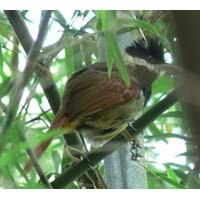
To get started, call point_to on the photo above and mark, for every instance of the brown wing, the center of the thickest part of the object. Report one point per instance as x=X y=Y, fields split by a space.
x=88 y=92
x=91 y=91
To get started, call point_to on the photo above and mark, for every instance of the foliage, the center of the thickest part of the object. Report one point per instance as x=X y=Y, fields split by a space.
x=79 y=50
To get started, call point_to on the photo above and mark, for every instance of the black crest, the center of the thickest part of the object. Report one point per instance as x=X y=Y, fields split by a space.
x=151 y=51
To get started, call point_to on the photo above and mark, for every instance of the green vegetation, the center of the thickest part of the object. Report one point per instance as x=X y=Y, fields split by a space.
x=24 y=125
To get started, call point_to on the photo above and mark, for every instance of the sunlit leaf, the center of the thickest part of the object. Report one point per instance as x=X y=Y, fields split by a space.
x=163 y=85
x=171 y=174
x=4 y=28
x=147 y=26
x=172 y=182
x=113 y=53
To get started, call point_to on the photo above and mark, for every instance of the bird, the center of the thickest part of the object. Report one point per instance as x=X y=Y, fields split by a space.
x=99 y=106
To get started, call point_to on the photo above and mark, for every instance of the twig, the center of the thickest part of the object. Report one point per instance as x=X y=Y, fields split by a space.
x=82 y=29
x=28 y=99
x=26 y=75
x=14 y=61
x=38 y=117
x=77 y=170
x=20 y=29
x=26 y=41
x=35 y=163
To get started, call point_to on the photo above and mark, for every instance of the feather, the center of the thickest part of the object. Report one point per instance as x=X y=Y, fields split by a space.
x=102 y=94
x=152 y=51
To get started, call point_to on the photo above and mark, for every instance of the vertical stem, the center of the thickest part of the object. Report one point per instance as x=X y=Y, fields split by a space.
x=120 y=170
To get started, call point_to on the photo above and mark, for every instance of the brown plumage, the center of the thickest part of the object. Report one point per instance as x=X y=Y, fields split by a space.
x=98 y=106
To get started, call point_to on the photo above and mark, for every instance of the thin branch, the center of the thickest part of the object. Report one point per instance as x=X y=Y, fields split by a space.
x=20 y=29
x=77 y=170
x=35 y=163
x=44 y=75
x=28 y=99
x=14 y=61
x=38 y=117
x=23 y=81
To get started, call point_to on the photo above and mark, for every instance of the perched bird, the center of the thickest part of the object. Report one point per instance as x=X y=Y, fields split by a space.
x=98 y=106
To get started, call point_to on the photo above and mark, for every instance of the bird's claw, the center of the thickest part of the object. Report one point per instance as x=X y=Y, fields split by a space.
x=135 y=144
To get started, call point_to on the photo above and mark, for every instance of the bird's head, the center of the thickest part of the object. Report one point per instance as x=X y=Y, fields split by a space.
x=145 y=55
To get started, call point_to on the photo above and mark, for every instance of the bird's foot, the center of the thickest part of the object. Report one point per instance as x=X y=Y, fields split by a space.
x=135 y=146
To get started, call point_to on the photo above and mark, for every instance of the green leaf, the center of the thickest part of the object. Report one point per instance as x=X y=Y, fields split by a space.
x=157 y=178
x=113 y=52
x=4 y=28
x=21 y=171
x=154 y=129
x=163 y=85
x=1 y=59
x=146 y=25
x=78 y=57
x=85 y=13
x=69 y=61
x=156 y=133
x=172 y=182
x=6 y=179
x=109 y=54
x=189 y=153
x=178 y=166
x=60 y=18
x=32 y=185
x=171 y=174
x=99 y=24
x=118 y=59
x=56 y=160
x=77 y=13
x=109 y=20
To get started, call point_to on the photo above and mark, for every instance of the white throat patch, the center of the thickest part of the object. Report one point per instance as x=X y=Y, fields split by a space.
x=129 y=60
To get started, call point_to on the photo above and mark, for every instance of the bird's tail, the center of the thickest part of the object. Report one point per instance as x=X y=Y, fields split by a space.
x=39 y=150
x=61 y=122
